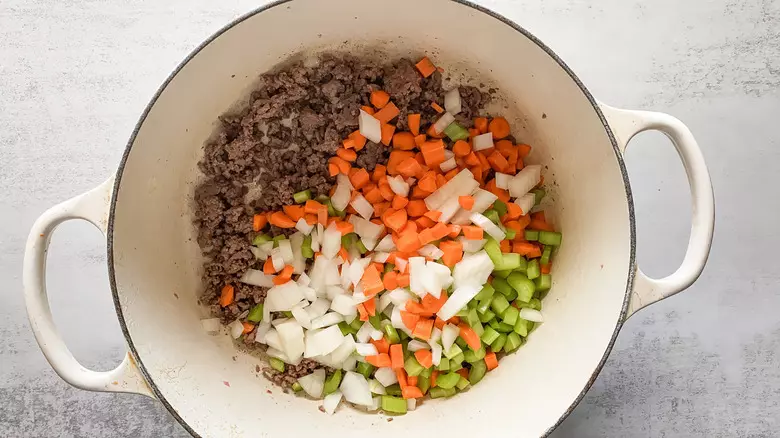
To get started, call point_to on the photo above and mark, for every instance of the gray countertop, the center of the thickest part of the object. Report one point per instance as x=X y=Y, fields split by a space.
x=74 y=76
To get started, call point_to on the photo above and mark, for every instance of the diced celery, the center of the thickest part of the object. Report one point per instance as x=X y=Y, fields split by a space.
x=332 y=383
x=462 y=384
x=489 y=335
x=492 y=214
x=550 y=238
x=533 y=270
x=365 y=369
x=546 y=253
x=375 y=321
x=509 y=261
x=322 y=199
x=536 y=303
x=510 y=233
x=388 y=268
x=391 y=334
x=499 y=343
x=500 y=207
x=462 y=313
x=472 y=356
x=453 y=351
x=486 y=316
x=521 y=327
x=287 y=314
x=472 y=305
x=456 y=361
x=256 y=314
x=393 y=389
x=348 y=240
x=456 y=132
x=424 y=383
x=461 y=343
x=486 y=292
x=500 y=326
x=261 y=239
x=525 y=288
x=302 y=196
x=276 y=364
x=513 y=342
x=395 y=405
x=477 y=372
x=361 y=247
x=412 y=367
x=478 y=328
x=444 y=364
x=426 y=372
x=493 y=250
x=531 y=235
x=538 y=195
x=356 y=324
x=544 y=282
x=472 y=318
x=278 y=239
x=483 y=306
x=503 y=287
x=439 y=392
x=306 y=250
x=510 y=316
x=296 y=386
x=448 y=380
x=501 y=274
x=499 y=304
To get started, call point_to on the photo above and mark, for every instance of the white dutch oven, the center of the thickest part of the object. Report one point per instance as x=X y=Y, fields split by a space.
x=154 y=262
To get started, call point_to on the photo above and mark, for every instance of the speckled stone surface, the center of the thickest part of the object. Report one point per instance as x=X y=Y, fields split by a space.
x=74 y=76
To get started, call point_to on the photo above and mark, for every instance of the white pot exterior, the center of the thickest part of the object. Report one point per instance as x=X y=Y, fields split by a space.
x=155 y=262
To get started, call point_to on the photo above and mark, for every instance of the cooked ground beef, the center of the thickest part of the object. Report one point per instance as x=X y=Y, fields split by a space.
x=280 y=144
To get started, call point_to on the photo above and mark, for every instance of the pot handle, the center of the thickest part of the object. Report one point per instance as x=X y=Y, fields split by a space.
x=626 y=124
x=92 y=206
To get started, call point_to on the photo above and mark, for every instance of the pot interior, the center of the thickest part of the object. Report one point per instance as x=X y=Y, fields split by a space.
x=157 y=263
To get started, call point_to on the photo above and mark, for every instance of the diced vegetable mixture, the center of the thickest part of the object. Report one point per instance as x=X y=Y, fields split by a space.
x=407 y=280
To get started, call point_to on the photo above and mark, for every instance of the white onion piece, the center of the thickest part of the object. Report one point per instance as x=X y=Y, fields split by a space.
x=526 y=202
x=401 y=263
x=483 y=141
x=502 y=180
x=380 y=257
x=384 y=301
x=471 y=246
x=304 y=226
x=261 y=330
x=364 y=332
x=278 y=354
x=345 y=274
x=488 y=226
x=397 y=321
x=365 y=228
x=416 y=273
x=315 y=239
x=263 y=251
x=313 y=383
x=525 y=180
x=291 y=336
x=473 y=269
x=277 y=259
x=399 y=296
x=318 y=308
x=349 y=364
x=356 y=270
x=531 y=315
x=411 y=404
x=376 y=334
x=375 y=387
x=331 y=241
x=415 y=345
x=273 y=340
x=449 y=334
x=376 y=403
x=386 y=244
x=331 y=402
x=301 y=316
x=358 y=296
x=210 y=325
x=362 y=206
x=452 y=101
x=354 y=386
x=370 y=127
x=430 y=251
x=461 y=184
x=448 y=165
x=398 y=185
x=450 y=208
x=344 y=350
x=333 y=291
x=458 y=300
x=309 y=293
x=327 y=320
x=323 y=342
x=344 y=304
x=365 y=349
x=342 y=194
x=385 y=376
x=436 y=352
x=283 y=297
x=443 y=122
x=482 y=200
x=257 y=278
x=285 y=250
x=298 y=262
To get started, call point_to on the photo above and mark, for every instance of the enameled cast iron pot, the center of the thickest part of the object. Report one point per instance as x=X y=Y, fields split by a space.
x=153 y=260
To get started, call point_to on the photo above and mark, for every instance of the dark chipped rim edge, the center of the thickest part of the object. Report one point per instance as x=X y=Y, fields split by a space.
x=110 y=235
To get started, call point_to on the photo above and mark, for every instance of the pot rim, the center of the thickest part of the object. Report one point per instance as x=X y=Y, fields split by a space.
x=120 y=170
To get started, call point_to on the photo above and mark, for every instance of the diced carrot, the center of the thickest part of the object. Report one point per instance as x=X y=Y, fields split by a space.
x=502 y=194
x=390 y=280
x=322 y=216
x=312 y=207
x=420 y=139
x=259 y=221
x=311 y=219
x=491 y=361
x=344 y=227
x=426 y=67
x=428 y=182
x=516 y=226
x=396 y=221
x=412 y=382
x=294 y=212
x=333 y=170
x=387 y=193
x=423 y=329
x=380 y=171
x=461 y=148
x=387 y=133
x=477 y=172
x=403 y=141
x=505 y=147
x=539 y=222
x=434 y=375
x=248 y=327
x=418 y=193
x=371 y=281
x=368 y=109
x=409 y=319
x=433 y=152
x=545 y=268
x=424 y=357
x=413 y=120
x=399 y=202
x=481 y=123
x=417 y=309
x=511 y=160
x=471 y=159
x=416 y=208
x=410 y=227
x=382 y=346
x=463 y=373
x=281 y=220
x=483 y=161
x=473 y=132
x=408 y=242
x=440 y=179
x=431 y=132
x=358 y=139
x=436 y=107
x=396 y=356
x=426 y=236
x=346 y=154
x=472 y=232
x=403 y=280
x=227 y=295
x=453 y=252
x=440 y=230
x=381 y=360
x=506 y=245
x=401 y=376
x=499 y=127
x=535 y=253
x=389 y=112
x=451 y=174
x=439 y=323
x=268 y=267
x=284 y=276
x=513 y=211
x=342 y=164
x=343 y=253
x=433 y=304
x=523 y=248
x=379 y=98
x=524 y=150
x=374 y=195
x=424 y=222
x=433 y=215
x=359 y=178
x=498 y=162
x=467 y=202
x=409 y=167
x=454 y=320
x=470 y=336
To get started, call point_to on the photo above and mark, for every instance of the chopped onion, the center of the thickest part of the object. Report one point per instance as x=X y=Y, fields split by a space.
x=430 y=251
x=301 y=316
x=416 y=273
x=210 y=325
x=415 y=345
x=344 y=304
x=448 y=165
x=365 y=228
x=285 y=250
x=483 y=141
x=364 y=332
x=443 y=122
x=482 y=200
x=308 y=293
x=385 y=376
x=303 y=226
x=380 y=257
x=318 y=308
x=349 y=364
x=461 y=184
x=304 y=280
x=314 y=383
x=333 y=291
x=411 y=404
x=283 y=297
x=502 y=180
x=386 y=244
x=365 y=349
x=357 y=268
x=471 y=246
x=354 y=386
x=383 y=302
x=375 y=387
x=291 y=336
x=331 y=402
x=257 y=278
x=458 y=300
x=531 y=315
x=278 y=354
x=370 y=127
x=401 y=263
x=376 y=403
x=261 y=330
x=488 y=226
x=263 y=251
x=376 y=334
x=342 y=194
x=276 y=259
x=525 y=180
x=449 y=334
x=450 y=208
x=344 y=350
x=272 y=339
x=315 y=239
x=331 y=242
x=436 y=352
x=327 y=320
x=526 y=202
x=322 y=342
x=299 y=261
x=452 y=101
x=399 y=296
x=473 y=269
x=398 y=185
x=397 y=321
x=362 y=206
